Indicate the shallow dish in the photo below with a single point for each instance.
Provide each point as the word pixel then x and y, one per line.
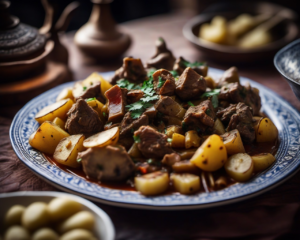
pixel 105 229
pixel 284 116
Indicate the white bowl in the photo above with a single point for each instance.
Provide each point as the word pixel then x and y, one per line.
pixel 104 229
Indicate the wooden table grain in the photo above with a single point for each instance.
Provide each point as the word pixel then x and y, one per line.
pixel 272 215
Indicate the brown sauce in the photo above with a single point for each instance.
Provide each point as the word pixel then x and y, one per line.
pixel 251 149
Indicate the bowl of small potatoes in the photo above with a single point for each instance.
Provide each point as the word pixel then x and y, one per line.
pixel 52 216
pixel 243 32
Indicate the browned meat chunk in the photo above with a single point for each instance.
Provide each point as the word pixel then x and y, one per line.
pixel 132 70
pixel 171 159
pixel 169 107
pixel 164 82
pixel 94 90
pixel 229 76
pixel 235 93
pixel 134 96
pixel 129 125
pixel 151 143
pixel 83 119
pixel 163 57
pixel 239 116
pixel 181 64
pixel 116 103
pixel 200 118
pixel 190 85
pixel 110 163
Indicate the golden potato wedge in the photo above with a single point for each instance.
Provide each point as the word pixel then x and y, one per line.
pixel 67 150
pixel 262 161
pixel 94 78
pixel 186 183
pixel 47 137
pixel 59 123
pixel 219 127
pixel 178 140
pixel 65 94
pixel 192 139
pixel 256 121
pixel 101 139
pixel 233 142
pixel 266 131
pixel 58 109
pixel 211 155
pixel 240 167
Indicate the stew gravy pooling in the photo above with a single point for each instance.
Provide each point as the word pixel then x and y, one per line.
pixel 160 129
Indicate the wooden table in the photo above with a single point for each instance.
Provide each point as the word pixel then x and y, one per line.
pixel 272 215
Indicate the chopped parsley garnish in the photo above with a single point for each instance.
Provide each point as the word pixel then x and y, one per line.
pixel 214 96
pixel 79 160
pixel 166 131
pixel 194 64
pixel 190 103
pixel 174 73
pixel 215 101
pixel 90 99
pixel 137 139
pixel 169 140
pixel 150 161
pixel 104 114
pixel 124 83
pixel 161 82
pixel 84 88
pixel 207 111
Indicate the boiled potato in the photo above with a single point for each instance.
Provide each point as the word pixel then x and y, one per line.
pixel 192 139
pixel 67 150
pixel 240 167
pixel 45 234
pixel 14 215
pixel 256 121
pixel 218 127
pixel 233 142
pixel 211 155
pixel 262 161
pixel 59 123
pixel 65 94
pixel 215 32
pixel 62 207
pixel 97 106
pixel 16 233
pixel 184 167
pixel 47 137
pixel 186 183
pixel 134 151
pixel 152 183
pixel 35 216
pixel 240 25
pixel 178 141
pixel 94 78
pixel 266 131
pixel 210 82
pixel 255 38
pixel 173 129
pixel 58 109
pixel 83 219
pixel 78 234
pixel 101 139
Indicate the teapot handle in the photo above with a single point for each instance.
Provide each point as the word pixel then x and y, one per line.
pixel 64 20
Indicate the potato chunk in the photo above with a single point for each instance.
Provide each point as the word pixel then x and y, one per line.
pixel 211 155
pixel 67 150
pixel 173 129
pixel 35 216
pixel 101 139
pixel 59 123
pixel 215 32
pixel 58 109
pixel 94 78
pixel 97 106
pixel 240 167
pixel 65 94
pixel 178 140
pixel 186 183
pixel 152 183
pixel 192 139
pixel 262 161
pixel 47 137
pixel 218 127
pixel 233 142
pixel 266 131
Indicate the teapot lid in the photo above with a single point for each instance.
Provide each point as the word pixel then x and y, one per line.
pixel 18 41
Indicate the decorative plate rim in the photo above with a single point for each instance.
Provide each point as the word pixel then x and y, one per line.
pixel 285 117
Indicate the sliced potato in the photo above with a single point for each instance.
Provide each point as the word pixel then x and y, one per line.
pixel 240 167
pixel 262 161
pixel 266 131
pixel 94 78
pixel 65 94
pixel 219 127
pixel 47 137
pixel 58 109
pixel 59 123
pixel 14 215
pixel 186 183
pixel 233 142
pixel 67 150
pixel 211 155
pixel 192 139
pixel 101 139
pixel 178 140
pixel 152 183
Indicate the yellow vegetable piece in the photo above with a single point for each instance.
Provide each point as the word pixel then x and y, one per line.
pixel 173 129
pixel 17 233
pixel 101 139
pixel 35 216
pixel 186 183
pixel 211 155
pixel 47 137
pixel 59 123
pixel 215 32
pixel 233 142
pixel 240 167
pixel 78 234
pixel 65 94
pixel 178 140
pixel 67 150
pixel 262 161
pixel 184 167
pixel 266 131
pixel 14 215
pixel 95 77
pixel 210 82
pixel 192 139
pixel 97 106
pixel 58 109
pixel 45 234
pixel 218 127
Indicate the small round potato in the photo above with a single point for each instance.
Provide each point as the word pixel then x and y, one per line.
pixel 14 215
pixel 61 208
pixel 16 233
pixel 78 234
pixel 262 161
pixel 45 234
pixel 35 216
pixel 83 219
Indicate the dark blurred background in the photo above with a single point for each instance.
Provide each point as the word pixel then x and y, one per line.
pixel 32 12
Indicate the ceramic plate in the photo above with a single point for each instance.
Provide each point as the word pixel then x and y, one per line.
pixel 285 117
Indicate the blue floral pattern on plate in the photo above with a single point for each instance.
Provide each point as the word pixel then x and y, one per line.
pixel 285 117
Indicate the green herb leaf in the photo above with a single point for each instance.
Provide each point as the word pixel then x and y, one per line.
pixel 84 88
pixel 150 161
pixel 90 99
pixel 124 83
pixel 160 82
pixel 161 39
pixel 207 111
pixel 136 114
pixel 165 131
pixel 215 101
pixel 174 73
pixel 149 98
pixel 104 114
pixel 190 103
pixel 169 140
pixel 79 160
pixel 211 93
pixel 194 64
pixel 137 139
